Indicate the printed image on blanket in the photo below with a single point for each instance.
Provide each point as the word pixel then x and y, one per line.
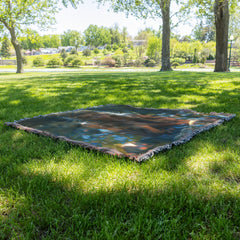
pixel 122 130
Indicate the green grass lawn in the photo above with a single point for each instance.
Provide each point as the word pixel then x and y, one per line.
pixel 51 190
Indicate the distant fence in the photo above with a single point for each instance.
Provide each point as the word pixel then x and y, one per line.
pixel 8 62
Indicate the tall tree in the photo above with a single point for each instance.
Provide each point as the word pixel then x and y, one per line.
pixel 51 41
pixel 144 34
pixel 16 15
pixel 115 35
pixel 144 9
pixel 221 13
pixel 221 10
pixel 97 36
pixel 33 39
pixel 154 48
pixel 205 32
pixel 72 38
pixel 124 35
pixel 166 33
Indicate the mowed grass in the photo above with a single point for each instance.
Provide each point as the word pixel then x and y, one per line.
pixel 52 190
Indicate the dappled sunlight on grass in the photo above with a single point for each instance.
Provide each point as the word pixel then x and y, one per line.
pixel 12 208
pixel 5 206
pixel 50 189
pixel 84 174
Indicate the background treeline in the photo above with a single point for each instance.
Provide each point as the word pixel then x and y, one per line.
pixel 115 47
pixel 93 36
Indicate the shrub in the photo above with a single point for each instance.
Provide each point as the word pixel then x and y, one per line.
pixel 153 48
pixel 203 59
pixel 125 50
pixel 195 59
pixel 122 45
pixel 119 60
pixel 180 54
pixel 68 60
pixel 175 64
pixel 38 62
pixel 105 52
pixel 74 51
pixel 86 52
pixel 109 48
pixel 211 57
pixel 178 60
pixel 131 46
pixel 73 61
pixel 236 55
pixel 115 46
pixel 109 61
pixel 138 62
pixel 118 52
pixel 195 56
pixel 76 62
pixel 96 50
pixel 24 60
pixel 54 62
pixel 126 59
pixel 97 62
pixel 63 54
pixel 150 62
pixel 130 63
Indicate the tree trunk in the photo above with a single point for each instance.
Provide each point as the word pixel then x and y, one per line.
pixel 221 12
pixel 165 8
pixel 17 48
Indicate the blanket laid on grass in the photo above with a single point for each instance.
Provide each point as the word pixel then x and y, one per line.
pixel 122 130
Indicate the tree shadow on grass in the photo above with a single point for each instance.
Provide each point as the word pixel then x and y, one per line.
pixel 74 90
pixel 38 95
pixel 54 207
pixel 110 198
pixel 44 205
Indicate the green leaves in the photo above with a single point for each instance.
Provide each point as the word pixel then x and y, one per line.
pixel 16 15
pixel 97 36
pixel 74 3
pixel 21 13
pixel 71 38
pixel 5 49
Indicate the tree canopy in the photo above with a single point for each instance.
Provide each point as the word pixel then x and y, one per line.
pixel 17 15
pixel 97 36
pixel 22 13
pixel 71 38
pixel 234 25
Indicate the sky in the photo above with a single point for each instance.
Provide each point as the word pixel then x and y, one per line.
pixel 88 13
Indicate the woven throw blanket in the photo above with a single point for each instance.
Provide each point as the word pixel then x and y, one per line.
pixel 122 130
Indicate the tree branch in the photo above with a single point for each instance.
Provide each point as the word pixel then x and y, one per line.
pixel 5 23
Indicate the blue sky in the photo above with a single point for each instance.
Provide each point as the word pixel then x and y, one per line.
pixel 89 13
